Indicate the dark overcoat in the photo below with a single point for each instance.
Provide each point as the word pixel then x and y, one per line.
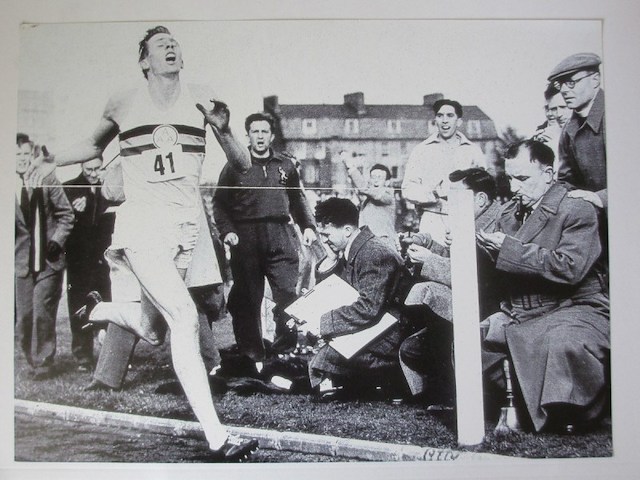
pixel 557 327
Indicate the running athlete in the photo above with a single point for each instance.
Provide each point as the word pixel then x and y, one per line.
pixel 162 147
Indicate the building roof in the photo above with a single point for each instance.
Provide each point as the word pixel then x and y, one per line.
pixel 417 112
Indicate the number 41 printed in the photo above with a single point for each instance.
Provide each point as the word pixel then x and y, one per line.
pixel 159 164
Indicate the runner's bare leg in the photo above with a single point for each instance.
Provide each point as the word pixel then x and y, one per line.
pixel 140 318
pixel 163 284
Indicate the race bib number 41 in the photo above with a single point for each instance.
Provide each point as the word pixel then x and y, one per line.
pixel 164 162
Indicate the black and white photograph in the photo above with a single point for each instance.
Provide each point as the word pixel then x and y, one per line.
pixel 312 240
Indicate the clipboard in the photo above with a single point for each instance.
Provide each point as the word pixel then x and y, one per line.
pixel 333 292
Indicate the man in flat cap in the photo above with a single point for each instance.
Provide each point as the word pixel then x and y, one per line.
pixel 582 143
pixel 426 179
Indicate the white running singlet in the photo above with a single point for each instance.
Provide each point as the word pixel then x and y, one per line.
pixel 161 155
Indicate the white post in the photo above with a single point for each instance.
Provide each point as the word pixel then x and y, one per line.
pixel 466 313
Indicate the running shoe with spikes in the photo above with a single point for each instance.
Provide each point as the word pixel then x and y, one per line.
pixel 81 316
pixel 234 450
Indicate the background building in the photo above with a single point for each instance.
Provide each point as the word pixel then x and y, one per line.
pixel 386 134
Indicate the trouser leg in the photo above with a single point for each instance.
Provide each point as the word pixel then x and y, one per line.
pixel 24 314
pixel 78 286
pixel 246 294
pixel 281 269
pixel 426 358
pixel 116 352
pixel 46 297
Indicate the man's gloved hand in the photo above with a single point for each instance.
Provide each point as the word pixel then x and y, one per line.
pixel 54 250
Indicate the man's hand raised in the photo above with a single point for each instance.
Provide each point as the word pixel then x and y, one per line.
pixel 40 167
pixel 218 117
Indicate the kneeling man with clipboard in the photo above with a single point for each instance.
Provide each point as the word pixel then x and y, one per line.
pixel 361 272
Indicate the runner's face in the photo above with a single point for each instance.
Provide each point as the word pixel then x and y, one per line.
pixel 165 55
pixel 447 121
pixel 260 136
pixel 23 158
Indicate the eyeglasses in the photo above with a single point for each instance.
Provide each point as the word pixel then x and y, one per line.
pixel 570 83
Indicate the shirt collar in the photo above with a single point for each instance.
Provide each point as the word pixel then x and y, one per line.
pixel 594 113
pixel 435 138
pixel 356 232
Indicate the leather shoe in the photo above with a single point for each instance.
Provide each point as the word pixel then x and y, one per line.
pixel 333 395
pixel 286 341
pixel 43 372
pixel 98 386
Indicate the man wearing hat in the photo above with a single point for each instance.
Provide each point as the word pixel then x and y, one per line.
pixel 582 143
pixel 426 179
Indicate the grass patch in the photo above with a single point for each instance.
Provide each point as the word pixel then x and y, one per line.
pixel 366 420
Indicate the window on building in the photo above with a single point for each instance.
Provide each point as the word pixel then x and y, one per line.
pixel 474 129
pixel 351 125
pixel 320 152
pixel 310 172
pixel 309 126
pixel 393 126
pixel 384 149
pixel 394 171
pixel 301 151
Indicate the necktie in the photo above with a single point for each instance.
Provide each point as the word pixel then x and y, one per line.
pixel 24 202
pixel 38 230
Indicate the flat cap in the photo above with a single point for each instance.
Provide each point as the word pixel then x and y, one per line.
pixel 575 63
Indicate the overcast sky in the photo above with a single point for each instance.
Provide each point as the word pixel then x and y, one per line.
pixel 501 66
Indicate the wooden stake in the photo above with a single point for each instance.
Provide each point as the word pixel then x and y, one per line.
pixel 466 318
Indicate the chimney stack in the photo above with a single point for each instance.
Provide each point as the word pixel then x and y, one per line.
pixel 271 105
pixel 429 100
pixel 356 102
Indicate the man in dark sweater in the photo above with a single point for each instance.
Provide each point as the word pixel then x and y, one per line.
pixel 253 210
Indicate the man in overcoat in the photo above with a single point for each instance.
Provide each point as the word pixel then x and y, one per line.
pixel 43 221
pixel 554 323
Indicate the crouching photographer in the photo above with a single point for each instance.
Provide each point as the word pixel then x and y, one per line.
pixel 426 355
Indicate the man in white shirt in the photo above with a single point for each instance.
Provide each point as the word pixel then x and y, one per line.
pixel 426 179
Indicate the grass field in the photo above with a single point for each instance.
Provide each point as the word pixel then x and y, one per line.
pixel 367 420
